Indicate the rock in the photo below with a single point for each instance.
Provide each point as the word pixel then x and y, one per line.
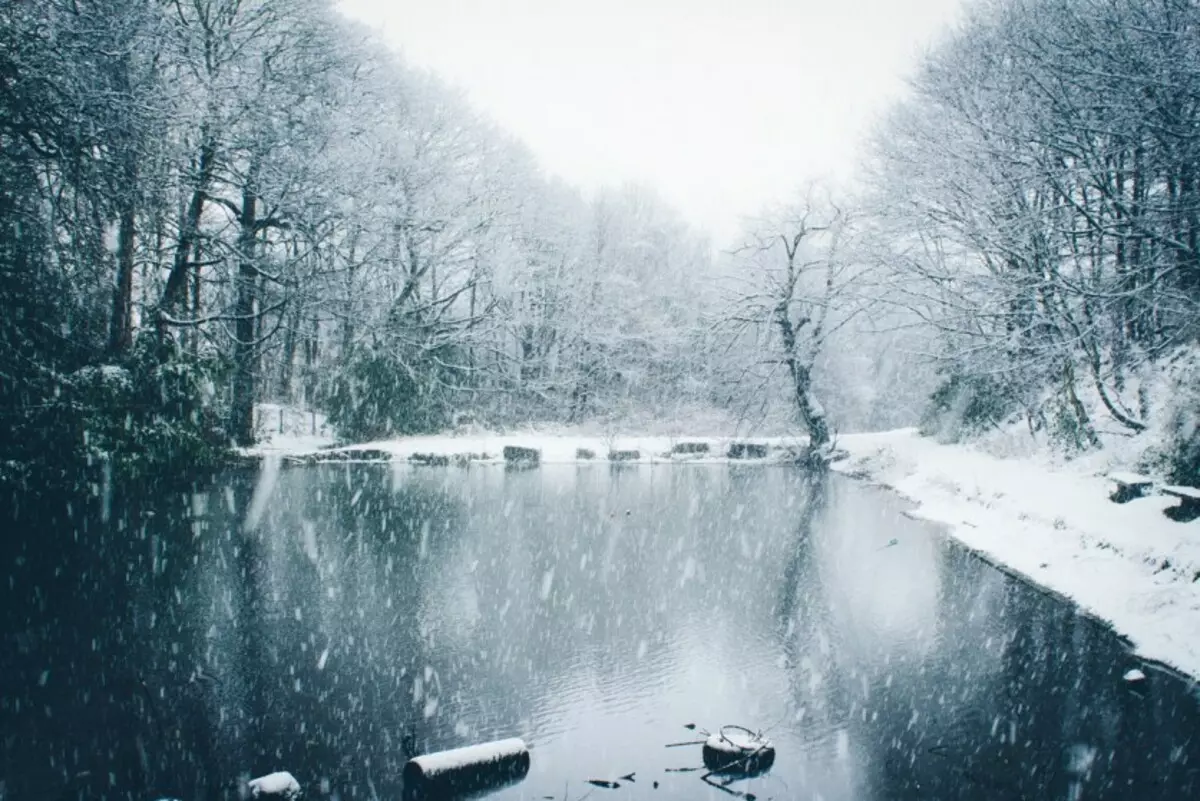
pixel 430 459
pixel 354 455
pixel 514 454
pixel 747 450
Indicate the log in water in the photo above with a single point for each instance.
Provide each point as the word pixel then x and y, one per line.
pixel 735 749
pixel 466 770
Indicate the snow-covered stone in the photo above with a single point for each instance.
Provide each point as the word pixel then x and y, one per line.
pixel 281 785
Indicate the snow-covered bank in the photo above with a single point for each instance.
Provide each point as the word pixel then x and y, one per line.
pixel 566 447
pixel 1125 563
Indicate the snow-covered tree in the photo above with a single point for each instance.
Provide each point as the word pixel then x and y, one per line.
pixel 1040 196
pixel 792 288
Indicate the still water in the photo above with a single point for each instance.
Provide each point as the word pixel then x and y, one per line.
pixel 332 621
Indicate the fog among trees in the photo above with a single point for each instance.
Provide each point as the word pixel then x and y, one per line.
pixel 208 204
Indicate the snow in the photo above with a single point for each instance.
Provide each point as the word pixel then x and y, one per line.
pixel 736 742
pixel 1127 564
pixel 287 429
pixel 282 784
pixel 1130 479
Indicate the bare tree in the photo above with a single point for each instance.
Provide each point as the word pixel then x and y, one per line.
pixel 791 292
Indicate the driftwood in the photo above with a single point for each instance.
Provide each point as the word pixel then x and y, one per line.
pixel 462 771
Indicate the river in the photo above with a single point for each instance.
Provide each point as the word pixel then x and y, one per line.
pixel 334 620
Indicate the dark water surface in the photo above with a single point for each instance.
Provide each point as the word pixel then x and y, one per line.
pixel 334 619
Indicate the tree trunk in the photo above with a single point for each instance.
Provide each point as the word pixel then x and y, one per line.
pixel 120 335
pixel 244 346
pixel 1084 422
pixel 197 259
pixel 348 313
pixel 189 229
pixel 811 411
pixel 471 316
pixel 121 330
pixel 286 368
pixel 311 359
pixel 810 408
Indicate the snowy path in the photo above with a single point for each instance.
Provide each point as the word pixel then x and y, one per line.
pixel 1125 563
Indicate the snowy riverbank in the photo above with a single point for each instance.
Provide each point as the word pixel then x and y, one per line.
pixel 1127 563
pixel 560 447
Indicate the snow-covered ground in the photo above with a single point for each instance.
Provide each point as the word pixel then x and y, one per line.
pixel 302 433
pixel 1046 518
pixel 1052 521
pixel 286 429
pixel 565 447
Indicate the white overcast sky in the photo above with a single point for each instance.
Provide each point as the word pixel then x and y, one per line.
pixel 723 106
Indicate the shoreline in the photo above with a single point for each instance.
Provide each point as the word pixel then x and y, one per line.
pixel 1054 527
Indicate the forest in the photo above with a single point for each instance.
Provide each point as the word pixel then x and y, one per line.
pixel 209 204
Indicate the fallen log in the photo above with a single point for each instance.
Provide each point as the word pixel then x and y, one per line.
pixel 476 768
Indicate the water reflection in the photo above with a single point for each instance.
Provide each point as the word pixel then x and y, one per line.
pixel 168 647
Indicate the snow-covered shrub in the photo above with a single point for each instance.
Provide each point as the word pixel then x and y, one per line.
pixel 377 393
pixel 156 411
pixel 153 414
pixel 1067 420
pixel 964 404
pixel 1181 429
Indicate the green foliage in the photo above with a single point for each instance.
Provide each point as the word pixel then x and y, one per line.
pixel 172 416
pixel 965 404
pixel 152 414
pixel 378 393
